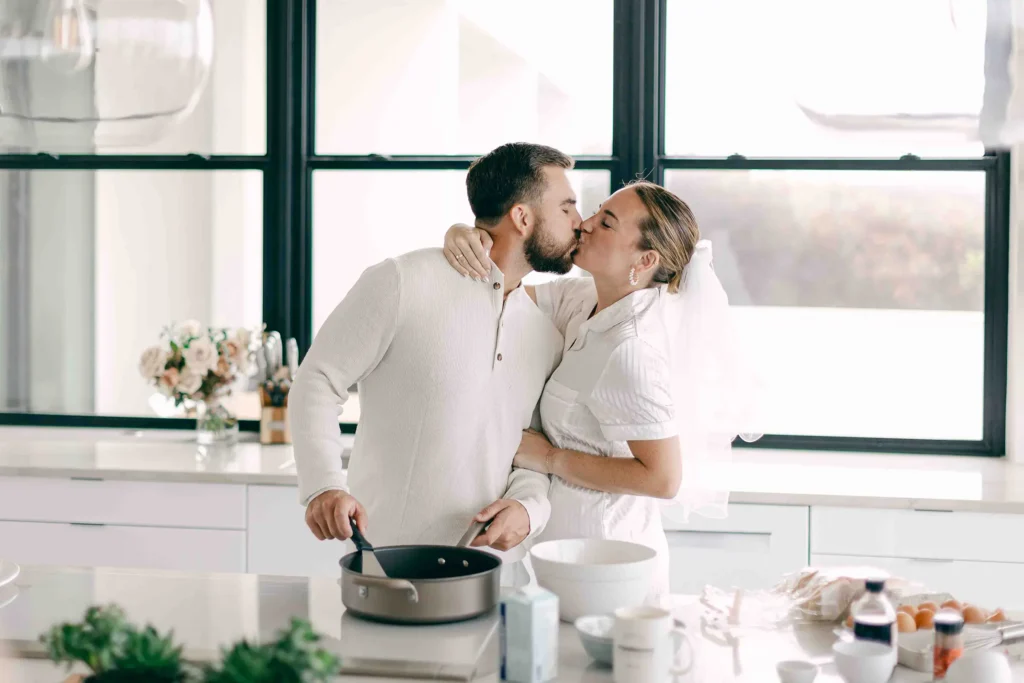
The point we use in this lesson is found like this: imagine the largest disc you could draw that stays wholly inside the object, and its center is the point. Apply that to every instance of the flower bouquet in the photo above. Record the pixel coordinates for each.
(197, 368)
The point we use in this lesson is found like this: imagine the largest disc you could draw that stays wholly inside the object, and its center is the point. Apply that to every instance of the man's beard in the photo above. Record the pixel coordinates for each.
(546, 256)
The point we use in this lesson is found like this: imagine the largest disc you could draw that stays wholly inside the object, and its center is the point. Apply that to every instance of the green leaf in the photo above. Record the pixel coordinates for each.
(293, 658)
(114, 650)
(93, 642)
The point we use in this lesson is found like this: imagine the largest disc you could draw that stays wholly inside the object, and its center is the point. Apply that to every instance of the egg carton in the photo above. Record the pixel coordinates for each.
(914, 650)
(918, 598)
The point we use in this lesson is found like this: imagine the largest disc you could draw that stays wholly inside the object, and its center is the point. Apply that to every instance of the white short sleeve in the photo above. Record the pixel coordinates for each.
(632, 400)
(561, 299)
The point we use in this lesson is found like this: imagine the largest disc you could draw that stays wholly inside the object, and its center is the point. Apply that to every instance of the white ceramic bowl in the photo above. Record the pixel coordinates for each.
(796, 671)
(980, 667)
(860, 661)
(593, 575)
(595, 631)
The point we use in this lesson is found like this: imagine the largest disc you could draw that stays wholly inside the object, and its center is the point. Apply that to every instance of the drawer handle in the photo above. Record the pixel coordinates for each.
(86, 478)
(719, 540)
(92, 524)
(931, 560)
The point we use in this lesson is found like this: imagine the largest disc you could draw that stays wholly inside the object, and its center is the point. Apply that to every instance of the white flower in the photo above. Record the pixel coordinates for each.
(190, 381)
(152, 362)
(200, 356)
(187, 329)
(244, 364)
(243, 337)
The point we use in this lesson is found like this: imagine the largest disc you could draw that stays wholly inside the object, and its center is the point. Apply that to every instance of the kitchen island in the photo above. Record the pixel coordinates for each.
(210, 611)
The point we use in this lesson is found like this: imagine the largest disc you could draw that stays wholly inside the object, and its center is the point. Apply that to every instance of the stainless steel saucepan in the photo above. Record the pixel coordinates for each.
(425, 584)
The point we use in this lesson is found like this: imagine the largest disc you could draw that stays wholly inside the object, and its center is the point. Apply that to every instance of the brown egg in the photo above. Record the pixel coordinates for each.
(905, 623)
(929, 605)
(998, 615)
(953, 604)
(909, 609)
(974, 615)
(925, 619)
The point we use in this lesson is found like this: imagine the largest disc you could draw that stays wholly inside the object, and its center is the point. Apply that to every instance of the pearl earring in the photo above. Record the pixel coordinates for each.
(632, 277)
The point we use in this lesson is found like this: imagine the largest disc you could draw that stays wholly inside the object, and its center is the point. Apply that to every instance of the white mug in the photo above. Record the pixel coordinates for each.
(646, 643)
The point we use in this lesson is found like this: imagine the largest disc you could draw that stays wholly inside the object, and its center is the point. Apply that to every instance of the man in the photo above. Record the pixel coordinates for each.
(449, 375)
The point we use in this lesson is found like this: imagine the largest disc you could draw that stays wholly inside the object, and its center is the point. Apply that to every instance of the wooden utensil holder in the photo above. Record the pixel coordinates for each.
(274, 427)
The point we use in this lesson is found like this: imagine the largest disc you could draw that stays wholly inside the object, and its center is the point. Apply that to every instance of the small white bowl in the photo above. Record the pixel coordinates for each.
(593, 575)
(595, 631)
(862, 661)
(978, 667)
(796, 671)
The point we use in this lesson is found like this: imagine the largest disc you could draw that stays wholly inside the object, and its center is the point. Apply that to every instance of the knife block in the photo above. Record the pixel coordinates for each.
(274, 427)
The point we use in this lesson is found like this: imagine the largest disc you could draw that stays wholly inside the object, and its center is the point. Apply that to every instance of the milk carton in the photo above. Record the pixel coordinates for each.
(528, 630)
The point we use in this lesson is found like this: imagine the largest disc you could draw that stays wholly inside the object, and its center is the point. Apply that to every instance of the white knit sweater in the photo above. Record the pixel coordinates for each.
(449, 374)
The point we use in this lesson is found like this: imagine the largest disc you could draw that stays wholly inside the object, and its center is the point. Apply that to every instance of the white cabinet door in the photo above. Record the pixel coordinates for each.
(102, 545)
(279, 540)
(753, 548)
(133, 503)
(987, 584)
(917, 534)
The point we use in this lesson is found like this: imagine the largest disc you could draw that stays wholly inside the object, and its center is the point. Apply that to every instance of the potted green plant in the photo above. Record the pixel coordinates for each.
(115, 651)
(294, 657)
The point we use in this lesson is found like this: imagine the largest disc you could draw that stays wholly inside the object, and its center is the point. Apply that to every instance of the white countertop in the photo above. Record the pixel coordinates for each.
(151, 455)
(756, 475)
(208, 611)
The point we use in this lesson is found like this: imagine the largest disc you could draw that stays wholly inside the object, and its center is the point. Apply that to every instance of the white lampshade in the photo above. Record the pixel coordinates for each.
(946, 68)
(76, 75)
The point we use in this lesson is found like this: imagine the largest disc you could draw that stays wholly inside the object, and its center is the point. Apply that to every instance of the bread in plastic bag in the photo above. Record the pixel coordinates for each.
(826, 593)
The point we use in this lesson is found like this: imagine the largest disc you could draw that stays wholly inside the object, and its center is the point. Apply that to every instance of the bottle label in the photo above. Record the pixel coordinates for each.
(876, 631)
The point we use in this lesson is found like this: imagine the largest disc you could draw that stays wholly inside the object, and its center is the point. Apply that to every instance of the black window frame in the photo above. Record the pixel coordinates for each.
(638, 150)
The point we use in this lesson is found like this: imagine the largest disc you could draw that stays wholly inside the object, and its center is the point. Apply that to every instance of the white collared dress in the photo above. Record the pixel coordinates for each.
(612, 386)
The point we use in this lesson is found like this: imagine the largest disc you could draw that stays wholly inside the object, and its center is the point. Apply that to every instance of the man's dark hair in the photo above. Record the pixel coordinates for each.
(509, 175)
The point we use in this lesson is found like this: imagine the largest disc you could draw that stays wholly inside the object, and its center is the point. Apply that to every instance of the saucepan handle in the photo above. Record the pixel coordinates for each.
(389, 584)
(475, 529)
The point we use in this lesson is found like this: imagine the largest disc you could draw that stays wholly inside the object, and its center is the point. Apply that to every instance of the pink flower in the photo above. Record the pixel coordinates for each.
(170, 378)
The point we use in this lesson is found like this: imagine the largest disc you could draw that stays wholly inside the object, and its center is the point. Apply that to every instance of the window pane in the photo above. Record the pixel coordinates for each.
(135, 78)
(864, 291)
(463, 76)
(94, 265)
(739, 73)
(353, 227)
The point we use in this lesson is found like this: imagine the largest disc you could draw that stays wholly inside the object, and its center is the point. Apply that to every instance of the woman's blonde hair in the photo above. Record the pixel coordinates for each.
(669, 229)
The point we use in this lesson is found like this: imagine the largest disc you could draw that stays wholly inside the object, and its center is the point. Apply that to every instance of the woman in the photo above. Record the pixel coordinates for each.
(617, 424)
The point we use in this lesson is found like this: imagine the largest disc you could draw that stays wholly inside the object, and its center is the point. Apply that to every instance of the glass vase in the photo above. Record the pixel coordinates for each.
(216, 425)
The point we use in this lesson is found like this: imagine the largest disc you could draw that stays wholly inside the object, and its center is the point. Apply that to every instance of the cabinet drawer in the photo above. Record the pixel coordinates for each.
(145, 503)
(279, 540)
(45, 543)
(917, 534)
(987, 584)
(752, 548)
